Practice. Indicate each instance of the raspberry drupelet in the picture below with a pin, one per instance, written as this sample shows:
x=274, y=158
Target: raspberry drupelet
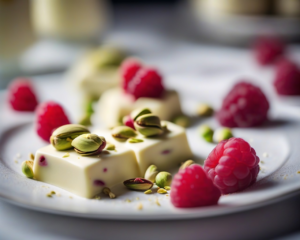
x=49, y=116
x=232, y=165
x=244, y=106
x=191, y=187
x=128, y=69
x=21, y=95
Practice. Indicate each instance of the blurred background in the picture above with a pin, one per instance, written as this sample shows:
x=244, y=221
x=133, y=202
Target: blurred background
x=46, y=36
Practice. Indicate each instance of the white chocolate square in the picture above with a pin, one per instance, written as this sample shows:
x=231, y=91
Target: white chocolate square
x=84, y=176
x=114, y=104
x=166, y=151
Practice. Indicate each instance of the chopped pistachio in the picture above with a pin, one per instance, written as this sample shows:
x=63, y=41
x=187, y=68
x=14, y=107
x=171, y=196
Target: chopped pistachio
x=148, y=191
x=66, y=155
x=161, y=191
x=135, y=140
x=204, y=110
x=182, y=121
x=31, y=156
x=140, y=206
x=167, y=188
x=206, y=133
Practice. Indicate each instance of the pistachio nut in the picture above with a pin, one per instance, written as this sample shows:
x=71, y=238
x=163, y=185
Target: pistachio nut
x=139, y=184
x=162, y=191
x=106, y=57
x=89, y=144
x=148, y=125
x=163, y=179
x=206, y=133
x=186, y=164
x=148, y=191
x=222, y=134
x=27, y=168
x=108, y=192
x=123, y=132
x=151, y=173
x=63, y=136
x=85, y=120
x=135, y=140
x=168, y=188
x=110, y=147
x=182, y=121
x=204, y=110
x=139, y=112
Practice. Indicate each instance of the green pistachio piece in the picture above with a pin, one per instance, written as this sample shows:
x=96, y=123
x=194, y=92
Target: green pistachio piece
x=89, y=144
x=110, y=147
x=63, y=136
x=186, y=164
x=182, y=121
x=106, y=57
x=163, y=179
x=135, y=140
x=222, y=134
x=139, y=112
x=148, y=125
x=139, y=184
x=85, y=120
x=162, y=191
x=123, y=132
x=206, y=132
x=204, y=110
x=27, y=168
x=151, y=173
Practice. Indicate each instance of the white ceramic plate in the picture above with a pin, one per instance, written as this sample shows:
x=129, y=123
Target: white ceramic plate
x=275, y=143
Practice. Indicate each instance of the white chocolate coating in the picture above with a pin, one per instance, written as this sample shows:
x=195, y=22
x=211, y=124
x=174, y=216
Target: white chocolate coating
x=84, y=176
x=114, y=104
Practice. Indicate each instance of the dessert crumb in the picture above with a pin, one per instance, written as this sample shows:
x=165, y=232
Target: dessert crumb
x=157, y=202
x=298, y=172
x=97, y=197
x=70, y=197
x=31, y=156
x=262, y=162
x=167, y=195
x=66, y=155
x=52, y=192
x=137, y=198
x=140, y=206
x=128, y=200
x=285, y=177
x=49, y=195
x=265, y=154
x=16, y=161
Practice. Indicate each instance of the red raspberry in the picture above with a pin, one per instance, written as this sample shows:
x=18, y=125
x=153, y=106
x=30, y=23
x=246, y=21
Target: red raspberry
x=268, y=50
x=287, y=79
x=146, y=83
x=192, y=188
x=244, y=106
x=232, y=165
x=129, y=68
x=49, y=116
x=21, y=95
x=128, y=121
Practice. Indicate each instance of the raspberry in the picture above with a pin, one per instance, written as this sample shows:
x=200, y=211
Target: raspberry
x=287, y=78
x=129, y=68
x=49, y=116
x=128, y=121
x=244, y=106
x=268, y=50
x=192, y=188
x=232, y=165
x=21, y=95
x=146, y=83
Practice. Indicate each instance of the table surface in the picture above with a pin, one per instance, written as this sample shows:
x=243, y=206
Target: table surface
x=278, y=220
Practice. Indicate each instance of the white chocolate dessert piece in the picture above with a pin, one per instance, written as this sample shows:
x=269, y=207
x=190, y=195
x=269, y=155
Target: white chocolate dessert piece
x=115, y=104
x=96, y=71
x=84, y=176
x=219, y=8
x=166, y=151
x=289, y=8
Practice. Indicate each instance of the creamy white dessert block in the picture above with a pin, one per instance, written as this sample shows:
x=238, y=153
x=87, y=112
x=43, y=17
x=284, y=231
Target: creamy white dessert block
x=115, y=104
x=84, y=176
x=90, y=79
x=165, y=151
